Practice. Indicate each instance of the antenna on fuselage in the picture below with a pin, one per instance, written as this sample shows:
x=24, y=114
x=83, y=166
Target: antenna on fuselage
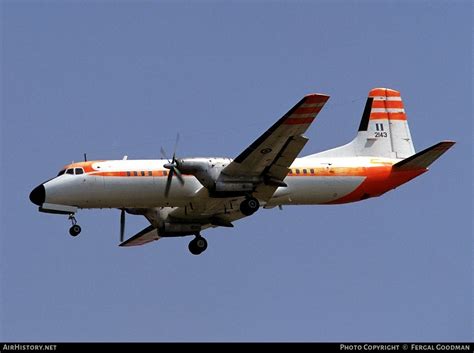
x=85, y=157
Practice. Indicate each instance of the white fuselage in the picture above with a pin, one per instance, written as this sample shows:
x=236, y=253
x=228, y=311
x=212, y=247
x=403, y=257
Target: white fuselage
x=141, y=183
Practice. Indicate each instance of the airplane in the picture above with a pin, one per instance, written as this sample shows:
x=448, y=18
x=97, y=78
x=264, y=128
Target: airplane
x=185, y=196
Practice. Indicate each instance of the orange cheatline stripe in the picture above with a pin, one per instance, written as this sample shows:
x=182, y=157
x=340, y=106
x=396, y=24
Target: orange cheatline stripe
x=387, y=104
x=318, y=171
x=158, y=173
x=376, y=171
x=383, y=92
x=112, y=174
x=340, y=171
x=298, y=121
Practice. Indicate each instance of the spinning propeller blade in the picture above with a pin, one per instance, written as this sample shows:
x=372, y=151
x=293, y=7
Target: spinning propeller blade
x=173, y=167
x=122, y=224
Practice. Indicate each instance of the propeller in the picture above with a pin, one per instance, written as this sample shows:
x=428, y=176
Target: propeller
x=173, y=167
x=122, y=224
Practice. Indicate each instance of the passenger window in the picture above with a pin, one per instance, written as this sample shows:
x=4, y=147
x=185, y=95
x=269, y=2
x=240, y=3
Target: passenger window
x=135, y=173
x=142, y=173
x=297, y=171
x=70, y=171
x=165, y=173
x=79, y=171
x=312, y=171
x=304, y=171
x=149, y=173
x=128, y=173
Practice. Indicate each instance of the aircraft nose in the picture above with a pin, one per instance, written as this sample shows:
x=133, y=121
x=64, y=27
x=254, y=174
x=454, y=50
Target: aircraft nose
x=38, y=195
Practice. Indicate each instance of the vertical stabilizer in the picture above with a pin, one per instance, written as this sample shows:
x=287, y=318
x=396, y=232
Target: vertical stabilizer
x=383, y=129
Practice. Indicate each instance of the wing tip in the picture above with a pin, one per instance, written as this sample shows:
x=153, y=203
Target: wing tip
x=317, y=95
x=444, y=145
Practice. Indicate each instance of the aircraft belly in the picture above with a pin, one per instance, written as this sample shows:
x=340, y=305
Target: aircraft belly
x=315, y=190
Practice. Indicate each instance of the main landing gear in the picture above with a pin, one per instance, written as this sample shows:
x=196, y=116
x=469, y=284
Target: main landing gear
x=249, y=206
x=75, y=229
x=198, y=245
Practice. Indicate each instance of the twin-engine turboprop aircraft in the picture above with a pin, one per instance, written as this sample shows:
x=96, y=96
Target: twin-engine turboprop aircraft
x=184, y=196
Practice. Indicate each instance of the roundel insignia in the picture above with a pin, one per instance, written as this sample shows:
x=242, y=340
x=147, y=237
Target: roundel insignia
x=265, y=150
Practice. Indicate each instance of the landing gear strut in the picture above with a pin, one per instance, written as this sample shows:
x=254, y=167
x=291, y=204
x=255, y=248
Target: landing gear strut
x=249, y=206
x=198, y=245
x=75, y=229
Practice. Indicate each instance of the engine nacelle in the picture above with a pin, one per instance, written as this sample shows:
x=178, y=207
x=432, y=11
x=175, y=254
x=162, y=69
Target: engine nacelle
x=206, y=170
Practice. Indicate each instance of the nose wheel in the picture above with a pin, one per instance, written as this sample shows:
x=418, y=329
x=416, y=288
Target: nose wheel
x=198, y=245
x=75, y=229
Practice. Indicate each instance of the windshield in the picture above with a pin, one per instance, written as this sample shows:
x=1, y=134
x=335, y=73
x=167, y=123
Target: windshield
x=71, y=171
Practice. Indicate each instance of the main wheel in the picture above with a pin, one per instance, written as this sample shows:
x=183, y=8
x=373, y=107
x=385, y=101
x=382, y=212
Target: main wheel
x=74, y=230
x=197, y=245
x=249, y=206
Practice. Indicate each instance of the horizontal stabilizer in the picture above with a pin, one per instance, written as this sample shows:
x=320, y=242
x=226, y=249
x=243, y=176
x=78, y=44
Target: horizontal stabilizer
x=147, y=235
x=423, y=159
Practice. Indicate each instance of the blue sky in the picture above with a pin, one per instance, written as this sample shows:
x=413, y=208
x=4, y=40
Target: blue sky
x=112, y=79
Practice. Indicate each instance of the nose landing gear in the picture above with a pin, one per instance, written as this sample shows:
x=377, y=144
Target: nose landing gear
x=75, y=229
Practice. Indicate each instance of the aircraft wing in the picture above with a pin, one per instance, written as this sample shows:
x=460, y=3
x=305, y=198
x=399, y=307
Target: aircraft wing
x=272, y=153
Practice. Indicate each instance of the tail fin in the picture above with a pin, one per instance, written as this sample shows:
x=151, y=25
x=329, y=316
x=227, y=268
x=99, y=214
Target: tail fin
x=383, y=130
x=423, y=159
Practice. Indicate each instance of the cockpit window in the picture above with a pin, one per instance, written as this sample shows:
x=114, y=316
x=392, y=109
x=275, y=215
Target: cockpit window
x=72, y=171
